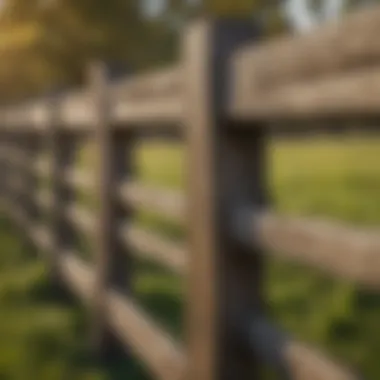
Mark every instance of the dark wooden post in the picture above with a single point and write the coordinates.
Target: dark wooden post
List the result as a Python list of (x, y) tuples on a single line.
[(32, 148), (29, 149), (6, 168), (62, 148), (3, 169), (225, 175), (113, 151), (16, 170)]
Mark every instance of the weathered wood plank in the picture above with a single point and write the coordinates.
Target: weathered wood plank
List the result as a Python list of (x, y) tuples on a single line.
[(342, 96), (42, 238), (77, 275), (224, 169), (81, 218), (75, 111), (150, 246), (341, 250), (149, 99), (166, 202), (332, 49), (152, 112), (160, 83), (81, 179), (27, 117)]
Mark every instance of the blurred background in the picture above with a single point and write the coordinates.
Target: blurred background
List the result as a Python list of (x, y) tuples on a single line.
[(45, 47)]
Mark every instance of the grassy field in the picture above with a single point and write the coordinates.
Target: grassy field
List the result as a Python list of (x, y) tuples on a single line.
[(337, 177)]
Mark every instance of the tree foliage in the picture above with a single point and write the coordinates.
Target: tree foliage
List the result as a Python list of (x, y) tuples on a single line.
[(45, 44)]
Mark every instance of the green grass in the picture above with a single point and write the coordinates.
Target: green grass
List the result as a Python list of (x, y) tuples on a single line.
[(335, 177), (43, 331)]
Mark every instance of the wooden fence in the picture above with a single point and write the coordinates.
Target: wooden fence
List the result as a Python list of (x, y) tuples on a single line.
[(220, 99)]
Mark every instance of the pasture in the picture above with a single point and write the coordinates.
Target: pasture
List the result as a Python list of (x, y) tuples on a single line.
[(42, 336)]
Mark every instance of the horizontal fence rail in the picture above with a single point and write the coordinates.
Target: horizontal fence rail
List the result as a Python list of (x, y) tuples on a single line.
[(219, 100), (341, 250), (330, 73)]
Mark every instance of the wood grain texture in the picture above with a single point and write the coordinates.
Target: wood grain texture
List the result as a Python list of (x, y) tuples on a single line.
[(158, 83), (81, 179), (339, 46), (75, 111), (149, 113), (83, 219), (224, 170), (342, 96), (77, 276), (348, 252), (32, 116), (151, 99), (148, 245), (166, 202)]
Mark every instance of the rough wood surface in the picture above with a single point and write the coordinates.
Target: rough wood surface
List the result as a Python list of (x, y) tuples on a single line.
[(342, 96), (80, 179), (81, 218), (166, 202), (152, 112), (224, 169), (77, 275), (26, 117), (160, 83), (75, 111), (339, 46), (344, 251), (151, 246)]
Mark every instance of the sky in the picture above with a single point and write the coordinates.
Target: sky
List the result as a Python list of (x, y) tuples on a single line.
[(155, 7), (302, 18), (298, 12)]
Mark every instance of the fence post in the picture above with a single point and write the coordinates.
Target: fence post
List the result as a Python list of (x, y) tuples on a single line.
[(3, 169), (12, 169), (6, 169), (30, 145), (112, 267), (225, 174), (62, 146)]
